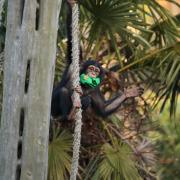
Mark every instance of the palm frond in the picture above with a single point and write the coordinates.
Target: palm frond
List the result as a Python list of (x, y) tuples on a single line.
[(117, 163), (105, 18), (59, 162), (160, 70)]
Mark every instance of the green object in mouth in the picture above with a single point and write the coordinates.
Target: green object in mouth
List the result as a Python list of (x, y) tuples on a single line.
[(87, 80)]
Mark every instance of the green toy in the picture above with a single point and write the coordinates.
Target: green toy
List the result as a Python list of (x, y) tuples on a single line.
[(87, 80)]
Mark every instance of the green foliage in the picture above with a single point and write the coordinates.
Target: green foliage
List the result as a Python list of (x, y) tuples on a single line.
[(59, 158), (168, 66), (113, 20), (167, 138), (116, 163)]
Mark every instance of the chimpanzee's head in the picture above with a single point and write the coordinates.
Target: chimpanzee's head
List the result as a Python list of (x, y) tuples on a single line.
[(93, 69)]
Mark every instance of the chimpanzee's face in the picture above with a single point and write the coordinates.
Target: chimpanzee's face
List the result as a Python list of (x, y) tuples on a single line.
[(93, 71)]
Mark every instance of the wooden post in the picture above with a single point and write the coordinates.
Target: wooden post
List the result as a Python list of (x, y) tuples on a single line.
[(30, 53)]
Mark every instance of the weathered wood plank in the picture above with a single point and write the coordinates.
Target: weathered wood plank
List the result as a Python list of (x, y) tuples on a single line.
[(26, 44)]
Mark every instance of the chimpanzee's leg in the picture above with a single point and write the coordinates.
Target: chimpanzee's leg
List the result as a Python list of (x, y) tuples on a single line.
[(85, 102), (65, 102), (61, 103)]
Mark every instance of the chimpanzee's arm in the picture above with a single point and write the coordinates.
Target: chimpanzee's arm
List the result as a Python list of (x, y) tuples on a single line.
[(69, 33), (103, 107), (67, 72), (69, 36)]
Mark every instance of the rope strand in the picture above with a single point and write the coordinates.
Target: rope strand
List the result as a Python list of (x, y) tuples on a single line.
[(75, 83)]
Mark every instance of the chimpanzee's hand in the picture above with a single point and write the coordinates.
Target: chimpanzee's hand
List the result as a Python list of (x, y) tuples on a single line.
[(76, 105), (72, 2), (133, 91), (76, 102), (78, 89)]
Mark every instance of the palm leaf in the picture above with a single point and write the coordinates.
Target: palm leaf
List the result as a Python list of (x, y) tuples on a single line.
[(116, 163), (105, 18), (59, 162)]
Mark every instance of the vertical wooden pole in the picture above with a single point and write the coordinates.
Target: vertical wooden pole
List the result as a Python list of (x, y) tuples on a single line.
[(28, 78)]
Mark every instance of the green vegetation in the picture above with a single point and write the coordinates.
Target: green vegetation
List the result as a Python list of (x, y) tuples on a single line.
[(167, 139)]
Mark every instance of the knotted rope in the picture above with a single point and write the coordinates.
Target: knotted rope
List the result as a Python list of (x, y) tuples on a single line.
[(75, 83)]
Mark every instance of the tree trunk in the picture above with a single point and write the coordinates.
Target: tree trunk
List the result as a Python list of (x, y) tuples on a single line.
[(28, 79)]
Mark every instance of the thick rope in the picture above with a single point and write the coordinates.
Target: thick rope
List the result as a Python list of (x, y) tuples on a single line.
[(75, 83)]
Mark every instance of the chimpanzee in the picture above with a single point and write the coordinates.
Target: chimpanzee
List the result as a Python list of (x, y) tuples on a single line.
[(91, 76)]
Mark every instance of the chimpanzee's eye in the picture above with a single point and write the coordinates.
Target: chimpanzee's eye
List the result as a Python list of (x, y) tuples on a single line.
[(97, 70), (91, 68)]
